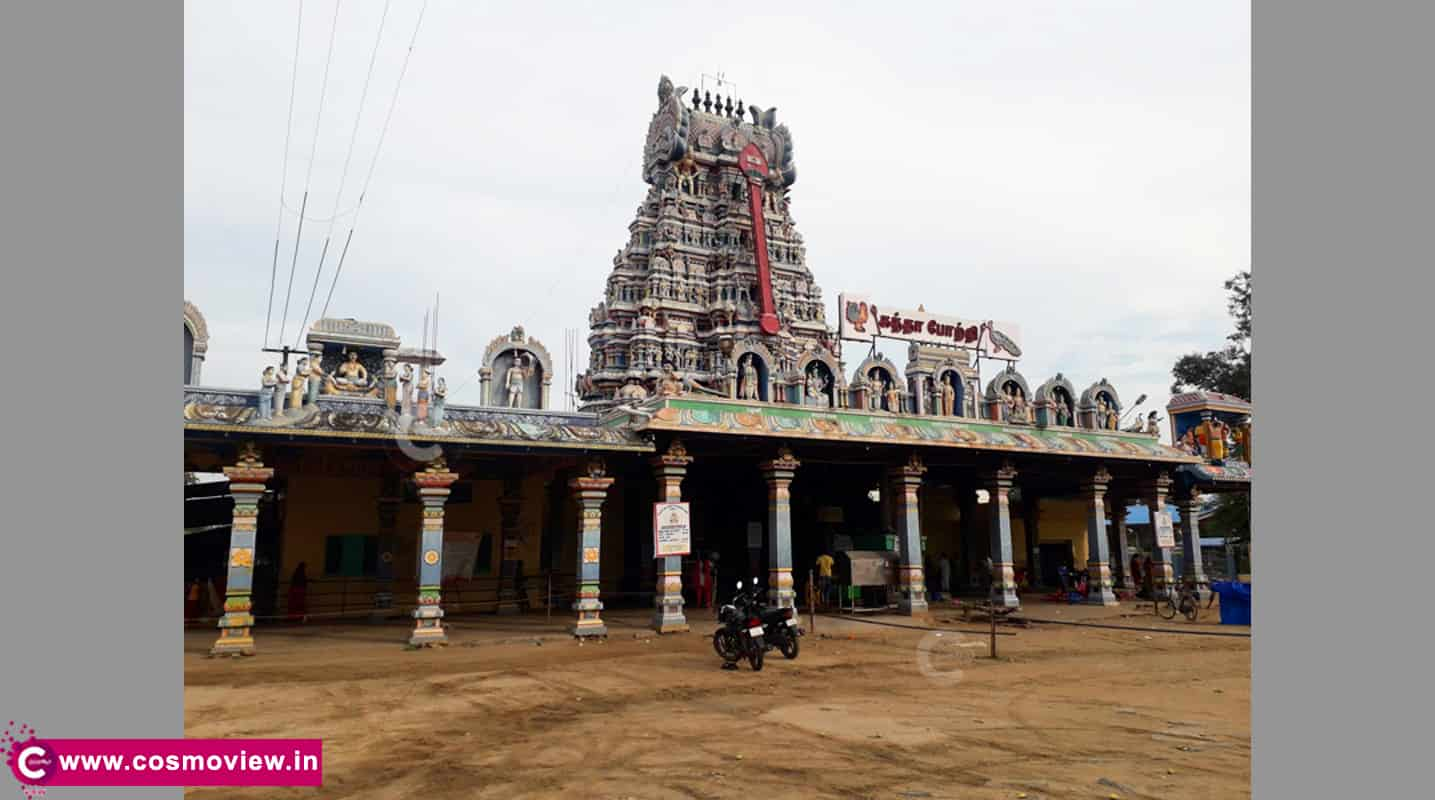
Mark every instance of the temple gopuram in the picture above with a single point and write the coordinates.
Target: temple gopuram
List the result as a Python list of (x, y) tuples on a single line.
[(715, 380)]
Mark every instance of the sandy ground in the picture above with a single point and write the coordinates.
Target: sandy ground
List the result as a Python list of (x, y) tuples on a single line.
[(515, 709)]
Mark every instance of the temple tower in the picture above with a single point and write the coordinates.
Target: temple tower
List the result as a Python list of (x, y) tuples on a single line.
[(699, 286)]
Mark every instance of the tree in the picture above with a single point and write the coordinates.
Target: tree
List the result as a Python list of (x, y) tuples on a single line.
[(1227, 370)]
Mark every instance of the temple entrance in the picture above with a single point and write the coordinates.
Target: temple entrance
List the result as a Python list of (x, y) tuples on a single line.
[(1054, 556)]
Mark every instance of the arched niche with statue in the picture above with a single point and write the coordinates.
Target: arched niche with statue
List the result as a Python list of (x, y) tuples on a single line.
[(951, 403), (753, 364), (1099, 407), (1055, 403), (873, 383), (196, 343), (1008, 399), (820, 378), (517, 372)]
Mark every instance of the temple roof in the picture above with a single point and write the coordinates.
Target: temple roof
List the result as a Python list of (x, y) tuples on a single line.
[(234, 412), (1204, 401), (716, 416)]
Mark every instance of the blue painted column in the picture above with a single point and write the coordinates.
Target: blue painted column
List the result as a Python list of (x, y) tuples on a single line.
[(590, 491), (1120, 557), (779, 473), (998, 484), (1100, 592), (1193, 571), (670, 467), (246, 484), (905, 481), (1156, 495), (434, 484)]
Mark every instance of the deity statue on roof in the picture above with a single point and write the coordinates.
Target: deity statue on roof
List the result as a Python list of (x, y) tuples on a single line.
[(514, 379), (748, 386), (894, 398), (267, 382), (351, 374), (281, 377), (949, 396), (425, 374), (440, 396), (406, 394), (300, 383), (316, 379)]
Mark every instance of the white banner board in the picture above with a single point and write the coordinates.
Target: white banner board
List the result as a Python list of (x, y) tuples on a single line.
[(861, 320), (1165, 531), (672, 530)]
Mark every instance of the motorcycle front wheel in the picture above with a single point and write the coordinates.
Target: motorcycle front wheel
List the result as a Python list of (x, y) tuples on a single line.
[(754, 659), (725, 644), (788, 646)]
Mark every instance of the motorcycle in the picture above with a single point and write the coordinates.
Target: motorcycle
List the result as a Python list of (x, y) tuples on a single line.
[(780, 629), (741, 632)]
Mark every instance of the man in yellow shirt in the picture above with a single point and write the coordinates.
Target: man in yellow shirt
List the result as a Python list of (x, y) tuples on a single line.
[(824, 578)]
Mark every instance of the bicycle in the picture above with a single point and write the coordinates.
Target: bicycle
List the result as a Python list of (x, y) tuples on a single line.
[(1185, 602)]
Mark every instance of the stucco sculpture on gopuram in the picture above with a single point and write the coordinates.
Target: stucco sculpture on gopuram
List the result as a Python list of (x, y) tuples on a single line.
[(712, 283)]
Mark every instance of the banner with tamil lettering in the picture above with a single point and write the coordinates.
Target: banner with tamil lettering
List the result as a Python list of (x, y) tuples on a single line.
[(863, 321)]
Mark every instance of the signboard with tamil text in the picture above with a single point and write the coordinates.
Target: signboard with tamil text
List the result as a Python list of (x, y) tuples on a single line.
[(1165, 532), (672, 530), (862, 320)]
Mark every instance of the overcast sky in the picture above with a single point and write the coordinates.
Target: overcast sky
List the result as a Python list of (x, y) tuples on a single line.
[(1081, 169)]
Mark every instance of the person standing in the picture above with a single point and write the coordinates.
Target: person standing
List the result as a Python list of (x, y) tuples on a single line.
[(824, 579), (299, 593)]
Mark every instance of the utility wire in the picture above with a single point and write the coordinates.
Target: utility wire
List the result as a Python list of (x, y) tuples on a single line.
[(309, 173), (383, 133), (283, 174), (344, 175)]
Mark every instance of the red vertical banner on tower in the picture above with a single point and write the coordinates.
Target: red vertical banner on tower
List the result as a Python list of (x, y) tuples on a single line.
[(754, 166)]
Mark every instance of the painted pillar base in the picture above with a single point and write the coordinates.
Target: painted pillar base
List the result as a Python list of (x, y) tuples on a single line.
[(590, 621), (912, 606), (235, 637), (780, 593), (1003, 594), (428, 627), (668, 604), (1100, 591)]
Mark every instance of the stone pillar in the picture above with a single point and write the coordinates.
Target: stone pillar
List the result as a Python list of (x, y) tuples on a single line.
[(911, 584), (1031, 518), (998, 484), (246, 484), (1098, 553), (1156, 493), (510, 504), (778, 473), (1121, 558), (1193, 571), (387, 543), (590, 491), (434, 484), (670, 469)]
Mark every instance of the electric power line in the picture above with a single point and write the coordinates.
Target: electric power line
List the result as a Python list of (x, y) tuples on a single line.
[(309, 172), (383, 133), (344, 174), (283, 174)]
